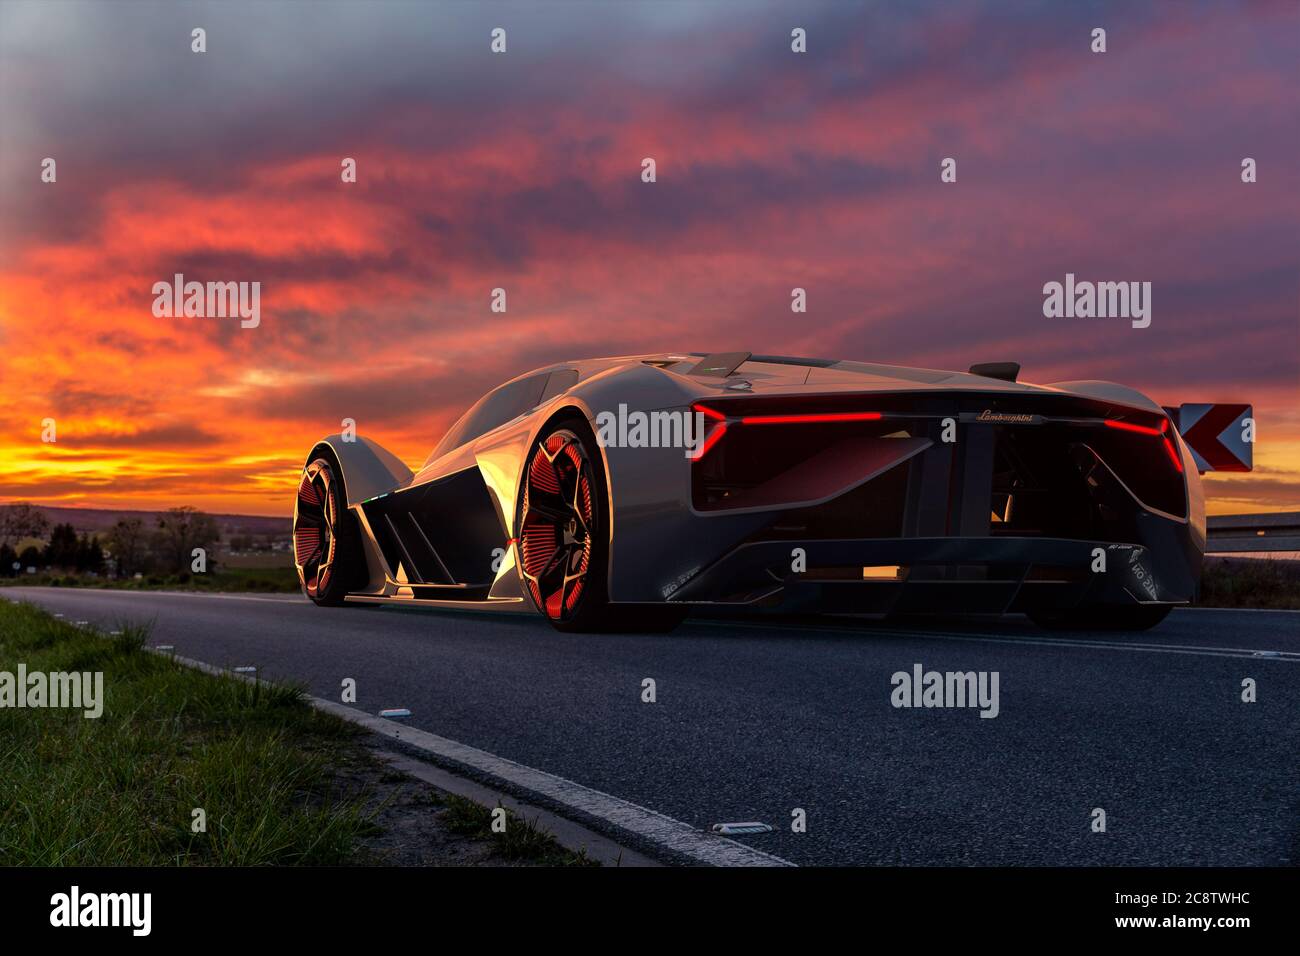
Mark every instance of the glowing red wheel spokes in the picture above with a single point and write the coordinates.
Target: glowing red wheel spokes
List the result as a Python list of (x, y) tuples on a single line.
[(314, 519), (556, 524)]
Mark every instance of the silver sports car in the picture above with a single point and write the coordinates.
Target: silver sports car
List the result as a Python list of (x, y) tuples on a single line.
[(620, 493)]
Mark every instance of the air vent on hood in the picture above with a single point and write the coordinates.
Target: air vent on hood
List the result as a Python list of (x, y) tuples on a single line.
[(719, 364)]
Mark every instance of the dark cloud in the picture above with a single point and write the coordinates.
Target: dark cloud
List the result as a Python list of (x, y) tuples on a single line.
[(775, 170)]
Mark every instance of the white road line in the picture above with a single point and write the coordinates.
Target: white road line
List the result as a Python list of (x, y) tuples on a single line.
[(266, 598), (646, 823), (571, 835), (1252, 610), (1195, 650), (662, 830), (1189, 650)]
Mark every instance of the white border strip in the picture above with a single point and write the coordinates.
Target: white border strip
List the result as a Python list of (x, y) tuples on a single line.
[(974, 637), (663, 831)]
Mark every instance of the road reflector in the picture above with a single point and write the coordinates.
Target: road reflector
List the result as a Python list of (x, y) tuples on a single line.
[(395, 712), (732, 829)]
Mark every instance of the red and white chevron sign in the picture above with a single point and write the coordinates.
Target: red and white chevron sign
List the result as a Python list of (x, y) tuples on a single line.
[(1217, 435)]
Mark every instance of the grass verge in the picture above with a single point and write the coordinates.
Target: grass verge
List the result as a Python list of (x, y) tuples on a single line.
[(1250, 582), (263, 580), (279, 782), (121, 789), (514, 838), (1226, 582)]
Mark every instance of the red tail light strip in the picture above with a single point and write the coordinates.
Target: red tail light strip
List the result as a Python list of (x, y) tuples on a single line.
[(1173, 454), (1140, 429), (714, 437), (722, 421), (1162, 431), (805, 419)]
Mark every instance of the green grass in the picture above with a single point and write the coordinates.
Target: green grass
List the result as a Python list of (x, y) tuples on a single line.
[(265, 580), (522, 839), (1250, 582), (119, 790), (271, 772)]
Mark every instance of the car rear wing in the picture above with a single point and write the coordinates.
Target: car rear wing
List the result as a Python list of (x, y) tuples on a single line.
[(1221, 437)]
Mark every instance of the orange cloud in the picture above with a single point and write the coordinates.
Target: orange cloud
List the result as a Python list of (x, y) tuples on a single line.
[(821, 173)]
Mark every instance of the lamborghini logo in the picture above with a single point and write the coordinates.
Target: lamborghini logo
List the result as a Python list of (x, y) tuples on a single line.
[(1006, 418)]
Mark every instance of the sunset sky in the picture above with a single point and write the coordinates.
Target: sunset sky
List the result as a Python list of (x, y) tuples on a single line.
[(522, 170)]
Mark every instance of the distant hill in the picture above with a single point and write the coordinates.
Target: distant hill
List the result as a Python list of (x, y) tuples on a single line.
[(101, 519)]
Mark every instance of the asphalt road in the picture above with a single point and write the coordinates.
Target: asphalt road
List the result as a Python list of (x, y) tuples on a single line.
[(754, 719)]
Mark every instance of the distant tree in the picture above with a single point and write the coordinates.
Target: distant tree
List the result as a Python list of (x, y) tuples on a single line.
[(180, 531), (21, 520), (90, 556), (30, 558), (127, 544), (7, 558), (61, 551)]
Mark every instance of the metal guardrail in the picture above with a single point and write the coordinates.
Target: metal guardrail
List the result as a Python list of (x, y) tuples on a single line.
[(1279, 531)]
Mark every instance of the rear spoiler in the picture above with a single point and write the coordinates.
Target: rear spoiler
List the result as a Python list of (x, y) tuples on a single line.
[(1220, 437), (1006, 371)]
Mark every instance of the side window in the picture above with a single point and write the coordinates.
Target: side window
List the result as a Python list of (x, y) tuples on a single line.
[(495, 408), (560, 382)]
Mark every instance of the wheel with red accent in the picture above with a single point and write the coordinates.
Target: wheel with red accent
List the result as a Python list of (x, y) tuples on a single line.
[(564, 537), (326, 548)]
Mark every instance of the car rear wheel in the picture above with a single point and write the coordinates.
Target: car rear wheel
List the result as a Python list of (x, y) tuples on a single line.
[(1104, 617), (564, 538), (326, 544)]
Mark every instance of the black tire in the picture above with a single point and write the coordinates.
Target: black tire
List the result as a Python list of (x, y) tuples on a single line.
[(563, 537), (326, 539), (1104, 617)]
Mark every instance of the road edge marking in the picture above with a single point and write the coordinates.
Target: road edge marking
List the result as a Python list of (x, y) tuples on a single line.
[(572, 836), (1194, 650), (680, 839)]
